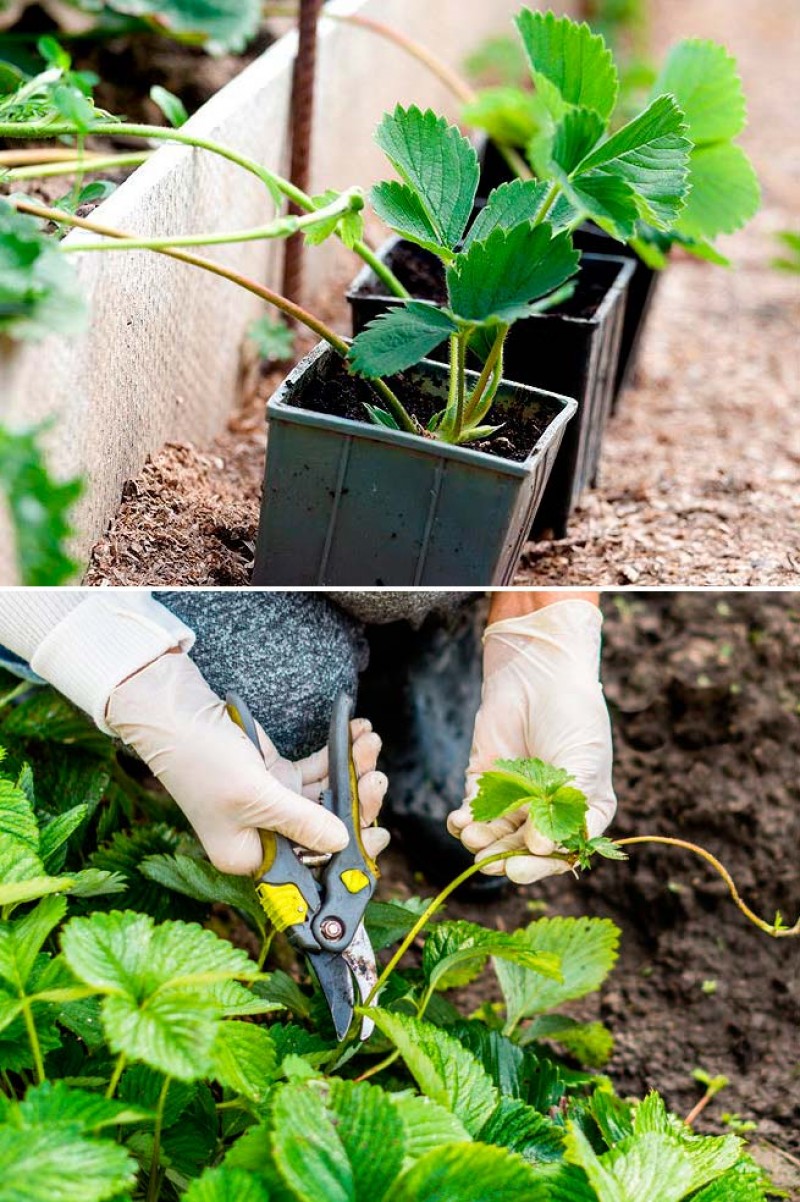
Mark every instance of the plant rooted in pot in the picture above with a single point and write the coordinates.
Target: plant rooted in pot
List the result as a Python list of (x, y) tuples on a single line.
[(572, 350)]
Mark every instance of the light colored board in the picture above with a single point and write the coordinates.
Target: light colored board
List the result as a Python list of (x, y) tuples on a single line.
[(160, 359)]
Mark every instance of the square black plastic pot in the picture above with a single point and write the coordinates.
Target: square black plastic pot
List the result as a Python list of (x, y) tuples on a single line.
[(561, 351), (589, 237), (350, 503)]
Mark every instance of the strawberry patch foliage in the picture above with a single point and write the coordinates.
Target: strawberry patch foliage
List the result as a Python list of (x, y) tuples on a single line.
[(151, 1049)]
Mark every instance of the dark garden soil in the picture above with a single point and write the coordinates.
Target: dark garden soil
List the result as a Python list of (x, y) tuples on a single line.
[(699, 478), (704, 691), (340, 395)]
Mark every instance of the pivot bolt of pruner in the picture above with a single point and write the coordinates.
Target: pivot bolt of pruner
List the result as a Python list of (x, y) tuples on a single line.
[(332, 928)]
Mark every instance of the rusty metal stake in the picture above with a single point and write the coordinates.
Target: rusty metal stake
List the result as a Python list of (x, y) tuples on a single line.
[(301, 129)]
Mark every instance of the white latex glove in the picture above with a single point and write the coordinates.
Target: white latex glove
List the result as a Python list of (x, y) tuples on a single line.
[(182, 731), (542, 698)]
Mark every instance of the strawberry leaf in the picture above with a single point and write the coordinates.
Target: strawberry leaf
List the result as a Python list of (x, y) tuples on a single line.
[(437, 163), (571, 66)]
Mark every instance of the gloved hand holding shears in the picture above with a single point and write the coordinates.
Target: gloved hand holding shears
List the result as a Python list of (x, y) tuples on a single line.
[(229, 790)]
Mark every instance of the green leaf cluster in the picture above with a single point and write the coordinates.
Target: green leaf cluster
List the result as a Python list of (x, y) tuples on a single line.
[(724, 190), (38, 505), (508, 265), (163, 1061), (671, 173), (556, 809)]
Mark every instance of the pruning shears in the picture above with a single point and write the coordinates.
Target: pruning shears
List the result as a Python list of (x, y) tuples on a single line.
[(320, 900)]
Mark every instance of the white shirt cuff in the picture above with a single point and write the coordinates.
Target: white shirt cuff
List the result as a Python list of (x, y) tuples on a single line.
[(104, 640)]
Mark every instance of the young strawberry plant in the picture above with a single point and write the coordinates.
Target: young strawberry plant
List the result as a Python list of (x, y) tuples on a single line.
[(145, 1056), (563, 129), (508, 265)]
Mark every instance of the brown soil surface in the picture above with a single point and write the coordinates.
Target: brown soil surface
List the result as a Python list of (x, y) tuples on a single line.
[(699, 479), (704, 691)]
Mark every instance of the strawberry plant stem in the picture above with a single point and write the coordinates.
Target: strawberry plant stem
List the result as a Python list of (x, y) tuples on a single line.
[(119, 1069), (474, 408), (275, 183), (266, 294), (280, 228), (429, 912), (774, 929), (697, 1110), (69, 166), (154, 1181), (33, 1038), (380, 1066)]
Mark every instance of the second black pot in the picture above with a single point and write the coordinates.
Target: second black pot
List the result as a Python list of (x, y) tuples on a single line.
[(572, 350)]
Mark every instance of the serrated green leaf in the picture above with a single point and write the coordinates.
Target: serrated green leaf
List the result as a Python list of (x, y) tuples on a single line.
[(39, 1165), (456, 951), (142, 1085), (19, 836), (426, 1125), (477, 1171), (437, 162), (509, 115), (557, 810), (54, 1104), (398, 339), (244, 1059), (575, 136), (366, 1120), (570, 64), (39, 290), (161, 1006), (520, 1128), (401, 208), (444, 1070), (170, 105), (126, 852), (280, 989), (704, 79), (588, 950), (613, 1115), (388, 921), (725, 193), (517, 201), (499, 277), (200, 880), (644, 1166), (95, 882), (54, 835), (502, 1059), (737, 1185), (307, 1152), (22, 939), (651, 154), (708, 1156), (226, 1185)]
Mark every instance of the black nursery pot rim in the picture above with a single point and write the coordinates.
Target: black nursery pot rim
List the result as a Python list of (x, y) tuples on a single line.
[(279, 409), (625, 268)]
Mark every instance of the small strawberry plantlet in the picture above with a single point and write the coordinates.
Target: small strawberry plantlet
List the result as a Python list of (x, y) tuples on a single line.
[(558, 811), (143, 1056)]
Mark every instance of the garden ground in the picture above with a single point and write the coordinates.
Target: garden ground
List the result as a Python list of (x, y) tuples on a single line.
[(699, 476), (704, 691)]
